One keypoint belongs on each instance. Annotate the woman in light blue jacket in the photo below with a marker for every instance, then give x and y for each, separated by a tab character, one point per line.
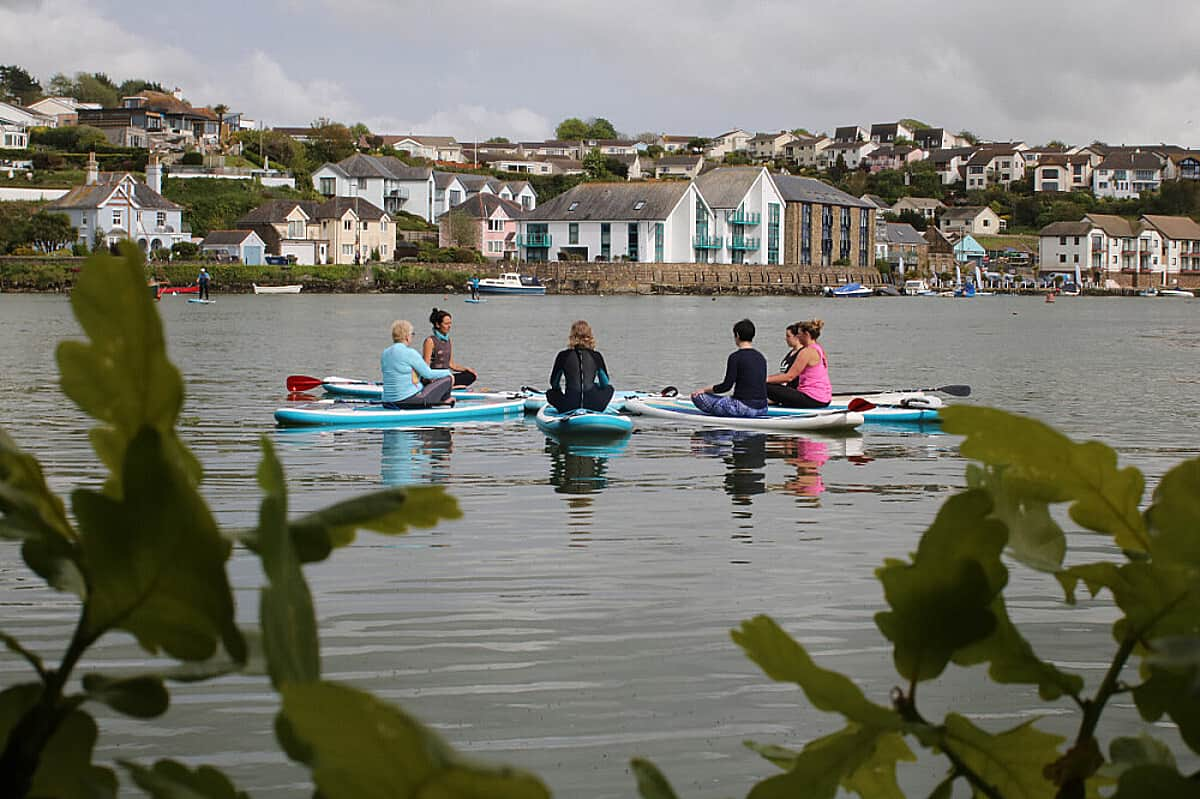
403	367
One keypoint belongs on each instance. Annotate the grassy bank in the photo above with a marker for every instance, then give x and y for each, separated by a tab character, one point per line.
59	274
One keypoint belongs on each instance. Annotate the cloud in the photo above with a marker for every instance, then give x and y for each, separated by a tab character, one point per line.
470	123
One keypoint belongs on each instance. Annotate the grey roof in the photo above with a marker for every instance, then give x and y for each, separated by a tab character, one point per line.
1173	227
336	207
92	196
482	206
726	187
518	186
1066	229
928	133
475	183
226	237
810	190
389	167
963	212
442	180
882	128
901	233
612	201
847	132
877	201
679	160
276	211
920	202
1116	226
946	155
1134	160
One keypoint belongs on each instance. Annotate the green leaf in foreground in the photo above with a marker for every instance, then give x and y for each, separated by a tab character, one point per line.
784	660
66	770
650	781
940	603
1034	538
1011	761
289	623
122	377
1158	600
143	697
168	779
1174	516
1127	753
156	561
1155	782
855	756
361	748
1175	694
34	515
1104	497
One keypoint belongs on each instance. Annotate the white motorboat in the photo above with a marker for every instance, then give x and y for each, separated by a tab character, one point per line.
509	283
849	290
294	288
918	288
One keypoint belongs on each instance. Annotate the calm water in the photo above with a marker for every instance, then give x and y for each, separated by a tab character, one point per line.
578	613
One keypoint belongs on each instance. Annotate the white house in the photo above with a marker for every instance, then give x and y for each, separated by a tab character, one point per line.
889	132
1063	172
1160	247
927	207
991	164
113	206
519	191
674	143
731	141
243	246
678	166
748	211
1184	165
950	164
63	110
848	134
937	139
666	222
1125	174
433	148
975	219
385	182
13	137
851	152
448	191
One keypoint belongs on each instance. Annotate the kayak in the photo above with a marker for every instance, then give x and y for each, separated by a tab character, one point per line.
776	418
370	413
582	422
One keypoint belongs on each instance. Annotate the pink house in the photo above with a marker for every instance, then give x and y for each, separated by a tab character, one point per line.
892	157
485	222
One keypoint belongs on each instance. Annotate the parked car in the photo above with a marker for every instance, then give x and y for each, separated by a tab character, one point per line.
281	260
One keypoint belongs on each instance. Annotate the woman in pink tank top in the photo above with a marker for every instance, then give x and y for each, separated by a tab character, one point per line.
803	377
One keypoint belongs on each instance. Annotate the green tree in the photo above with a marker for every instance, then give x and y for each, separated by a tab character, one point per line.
595	165
698	144
461	229
134	86
18	86
654	151
497	140
359	130
910	217
329	142
601	128
96	87
48	232
69	139
279	147
572	129
968	136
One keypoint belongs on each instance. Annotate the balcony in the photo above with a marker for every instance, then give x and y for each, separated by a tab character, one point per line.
745	243
745	218
534	239
708	242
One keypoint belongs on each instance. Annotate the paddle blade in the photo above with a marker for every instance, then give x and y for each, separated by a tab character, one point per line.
303	382
858	405
955	391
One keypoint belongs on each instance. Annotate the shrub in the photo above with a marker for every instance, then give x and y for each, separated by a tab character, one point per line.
185	249
192	159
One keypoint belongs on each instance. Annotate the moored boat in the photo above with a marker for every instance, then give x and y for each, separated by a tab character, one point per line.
849	290
510	283
372	414
293	288
675	410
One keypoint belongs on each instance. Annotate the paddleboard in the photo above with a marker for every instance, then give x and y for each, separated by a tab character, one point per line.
582	422
472	299
876	415
788	419
369	390
202	302
375	415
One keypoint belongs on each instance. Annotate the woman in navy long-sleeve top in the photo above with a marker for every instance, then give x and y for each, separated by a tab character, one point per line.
745	373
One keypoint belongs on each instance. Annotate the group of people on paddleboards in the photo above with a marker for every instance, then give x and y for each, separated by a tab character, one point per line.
580	378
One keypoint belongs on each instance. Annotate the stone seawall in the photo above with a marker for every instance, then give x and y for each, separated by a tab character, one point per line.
568	277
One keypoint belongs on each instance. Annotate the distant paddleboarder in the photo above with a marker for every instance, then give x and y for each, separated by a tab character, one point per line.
202	282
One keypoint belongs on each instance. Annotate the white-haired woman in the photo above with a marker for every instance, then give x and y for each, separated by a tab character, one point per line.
402	366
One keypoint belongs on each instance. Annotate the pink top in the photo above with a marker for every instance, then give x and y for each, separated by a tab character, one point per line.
814	380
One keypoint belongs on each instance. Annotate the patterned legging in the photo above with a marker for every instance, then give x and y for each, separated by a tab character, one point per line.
717	405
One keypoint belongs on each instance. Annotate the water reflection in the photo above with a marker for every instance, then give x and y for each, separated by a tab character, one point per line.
581	468
415	456
746	455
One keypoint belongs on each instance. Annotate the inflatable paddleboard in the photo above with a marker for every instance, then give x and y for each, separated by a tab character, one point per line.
776	418
374	414
582	422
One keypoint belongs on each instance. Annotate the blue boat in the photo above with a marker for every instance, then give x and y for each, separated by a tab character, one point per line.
851	290
583	422
372	414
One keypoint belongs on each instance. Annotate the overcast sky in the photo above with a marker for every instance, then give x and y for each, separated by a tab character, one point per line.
1120	72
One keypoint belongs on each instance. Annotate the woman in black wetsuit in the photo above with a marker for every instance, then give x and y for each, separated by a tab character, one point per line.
438	350
583	369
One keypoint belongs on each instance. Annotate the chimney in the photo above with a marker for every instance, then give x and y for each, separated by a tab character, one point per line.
154	174
92	176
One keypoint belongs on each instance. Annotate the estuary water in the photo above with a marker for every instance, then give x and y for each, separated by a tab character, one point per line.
578	614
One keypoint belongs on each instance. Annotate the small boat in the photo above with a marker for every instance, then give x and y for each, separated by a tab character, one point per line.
511	283
371	414
776	418
887	291
583	422
850	290
1176	293
178	290
918	288
294	288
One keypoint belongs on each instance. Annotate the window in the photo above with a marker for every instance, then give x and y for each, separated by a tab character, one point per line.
455	197
496	225
1076	257
658	241
806	234
495	246
1076	241
632	246
1062	258
826	235
987	222
362	184
83	221
605	241
383	225
572	232
1062	241
864	236
116	218
346	224
160	219
328	186
295	229
348	249
844	231
639	205
366	225
773	233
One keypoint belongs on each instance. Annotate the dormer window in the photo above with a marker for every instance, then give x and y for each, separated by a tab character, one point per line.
639	205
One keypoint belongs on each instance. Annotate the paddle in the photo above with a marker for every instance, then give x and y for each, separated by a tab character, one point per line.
952	390
303	382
